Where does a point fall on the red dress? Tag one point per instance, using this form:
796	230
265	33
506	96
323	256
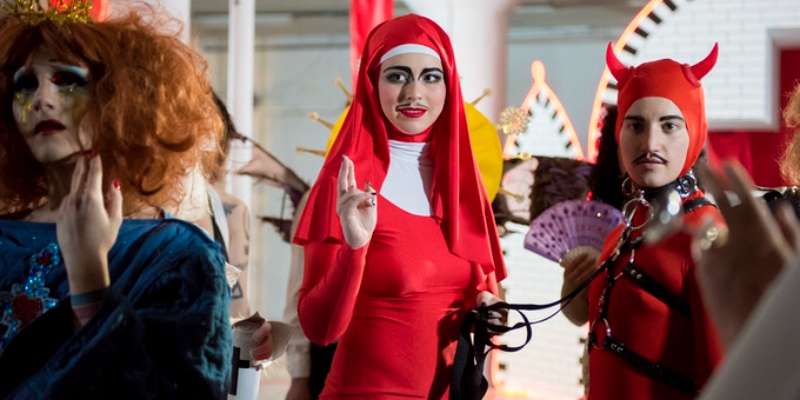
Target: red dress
689	345
396	304
399	302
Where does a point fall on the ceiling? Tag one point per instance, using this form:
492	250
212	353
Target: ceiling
532	19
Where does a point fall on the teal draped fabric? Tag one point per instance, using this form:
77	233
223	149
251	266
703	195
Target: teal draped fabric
162	333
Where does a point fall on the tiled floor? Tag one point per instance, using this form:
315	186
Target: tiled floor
274	381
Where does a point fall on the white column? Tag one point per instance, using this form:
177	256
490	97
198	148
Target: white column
479	32
241	60
241	70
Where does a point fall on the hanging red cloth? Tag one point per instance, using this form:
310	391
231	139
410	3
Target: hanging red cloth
365	15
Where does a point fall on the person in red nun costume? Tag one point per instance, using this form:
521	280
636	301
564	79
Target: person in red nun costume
650	335
399	237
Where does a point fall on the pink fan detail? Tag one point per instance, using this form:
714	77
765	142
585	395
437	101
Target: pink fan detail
570	224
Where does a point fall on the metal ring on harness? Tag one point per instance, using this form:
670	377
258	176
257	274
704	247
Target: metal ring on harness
596	342
629	211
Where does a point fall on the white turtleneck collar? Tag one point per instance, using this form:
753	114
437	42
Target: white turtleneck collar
408	181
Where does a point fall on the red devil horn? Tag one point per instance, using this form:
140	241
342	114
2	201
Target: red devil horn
618	70
702	68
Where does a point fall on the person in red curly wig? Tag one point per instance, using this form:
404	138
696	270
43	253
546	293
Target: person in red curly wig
399	237
102	292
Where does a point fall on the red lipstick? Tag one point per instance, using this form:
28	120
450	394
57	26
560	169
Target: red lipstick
49	127
413	112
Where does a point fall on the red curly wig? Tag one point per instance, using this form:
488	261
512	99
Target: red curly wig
150	106
790	160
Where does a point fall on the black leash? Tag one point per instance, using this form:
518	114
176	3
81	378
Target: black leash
468	381
474	340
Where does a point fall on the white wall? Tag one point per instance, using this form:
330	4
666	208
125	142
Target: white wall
741	89
573	69
290	82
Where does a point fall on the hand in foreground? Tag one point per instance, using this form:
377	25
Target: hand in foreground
356	209
264	346
87	226
497	317
737	264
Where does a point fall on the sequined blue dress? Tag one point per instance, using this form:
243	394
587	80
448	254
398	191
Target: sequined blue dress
162	333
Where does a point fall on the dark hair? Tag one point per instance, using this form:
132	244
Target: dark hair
229	132
149	105
605	182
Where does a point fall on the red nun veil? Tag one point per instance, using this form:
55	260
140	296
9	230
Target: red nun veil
459	199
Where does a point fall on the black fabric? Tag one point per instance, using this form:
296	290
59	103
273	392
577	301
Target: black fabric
33	347
789	195
468	381
321	359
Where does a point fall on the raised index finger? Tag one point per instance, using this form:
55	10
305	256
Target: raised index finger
342	182
351	174
94	177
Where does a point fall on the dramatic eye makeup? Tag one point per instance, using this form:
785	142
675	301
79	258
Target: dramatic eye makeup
431	75
63	76
403	74
70	76
24	80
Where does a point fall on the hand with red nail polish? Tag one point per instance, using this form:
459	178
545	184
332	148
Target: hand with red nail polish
87	225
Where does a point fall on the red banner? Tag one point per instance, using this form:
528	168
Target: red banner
759	151
99	10
365	15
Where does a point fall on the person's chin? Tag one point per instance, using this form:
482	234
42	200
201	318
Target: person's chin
59	158
654	181
411	129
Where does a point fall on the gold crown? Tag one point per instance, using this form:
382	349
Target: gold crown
33	12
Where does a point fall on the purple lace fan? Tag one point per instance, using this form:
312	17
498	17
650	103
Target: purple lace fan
569	224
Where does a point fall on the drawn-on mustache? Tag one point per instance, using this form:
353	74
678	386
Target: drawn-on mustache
410	105
646	156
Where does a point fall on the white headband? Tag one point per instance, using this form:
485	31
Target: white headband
409	48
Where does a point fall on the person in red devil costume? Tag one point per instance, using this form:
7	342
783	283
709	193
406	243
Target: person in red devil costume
392	269
650	335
